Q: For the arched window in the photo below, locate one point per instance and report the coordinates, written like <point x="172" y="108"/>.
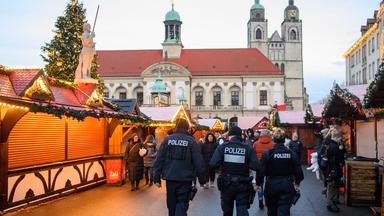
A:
<point x="199" y="96"/>
<point x="235" y="95"/>
<point x="121" y="93"/>
<point x="258" y="16"/>
<point x="216" y="96"/>
<point x="293" y="35"/>
<point x="258" y="34"/>
<point x="138" y="93"/>
<point x="277" y="65"/>
<point x="282" y="67"/>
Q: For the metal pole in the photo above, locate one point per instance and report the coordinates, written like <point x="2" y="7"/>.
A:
<point x="376" y="144"/>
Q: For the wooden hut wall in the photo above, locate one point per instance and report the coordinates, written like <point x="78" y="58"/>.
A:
<point x="86" y="138"/>
<point x="365" y="139"/>
<point x="36" y="139"/>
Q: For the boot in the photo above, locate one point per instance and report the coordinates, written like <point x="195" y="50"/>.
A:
<point x="133" y="186"/>
<point x="146" y="181"/>
<point x="261" y="204"/>
<point x="137" y="185"/>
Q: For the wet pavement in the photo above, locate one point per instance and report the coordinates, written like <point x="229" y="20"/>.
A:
<point x="150" y="201"/>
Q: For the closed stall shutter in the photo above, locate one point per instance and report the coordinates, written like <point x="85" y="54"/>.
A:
<point x="85" y="138"/>
<point x="36" y="139"/>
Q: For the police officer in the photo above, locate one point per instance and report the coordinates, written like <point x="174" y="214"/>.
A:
<point x="283" y="176"/>
<point x="178" y="159"/>
<point x="234" y="182"/>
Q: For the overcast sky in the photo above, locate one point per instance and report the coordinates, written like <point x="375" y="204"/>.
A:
<point x="330" y="28"/>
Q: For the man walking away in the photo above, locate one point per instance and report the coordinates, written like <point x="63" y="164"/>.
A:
<point x="179" y="158"/>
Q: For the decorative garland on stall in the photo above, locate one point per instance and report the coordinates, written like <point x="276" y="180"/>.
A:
<point x="61" y="83"/>
<point x="274" y="119"/>
<point x="309" y="117"/>
<point x="348" y="98"/>
<point x="80" y="115"/>
<point x="5" y="71"/>
<point x="374" y="88"/>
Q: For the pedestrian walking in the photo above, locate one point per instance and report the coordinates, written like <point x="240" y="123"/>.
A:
<point x="283" y="176"/>
<point x="135" y="162"/>
<point x="251" y="138"/>
<point x="296" y="146"/>
<point x="234" y="182"/>
<point x="208" y="147"/>
<point x="179" y="160"/>
<point x="264" y="143"/>
<point x="149" y="159"/>
<point x="335" y="156"/>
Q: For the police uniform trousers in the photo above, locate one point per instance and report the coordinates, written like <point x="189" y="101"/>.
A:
<point x="238" y="193"/>
<point x="279" y="193"/>
<point x="178" y="195"/>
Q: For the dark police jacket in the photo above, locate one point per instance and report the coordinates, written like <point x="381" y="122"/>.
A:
<point x="280" y="162"/>
<point x="179" y="158"/>
<point x="235" y="158"/>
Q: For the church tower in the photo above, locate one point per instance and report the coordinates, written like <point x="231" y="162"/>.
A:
<point x="292" y="35"/>
<point x="172" y="45"/>
<point x="258" y="28"/>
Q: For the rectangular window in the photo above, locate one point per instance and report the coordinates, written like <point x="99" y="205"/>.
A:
<point x="364" y="81"/>
<point x="235" y="98"/>
<point x="364" y="54"/>
<point x="199" y="98"/>
<point x="139" y="98"/>
<point x="369" y="71"/>
<point x="369" y="47"/>
<point x="122" y="95"/>
<point x="216" y="98"/>
<point x="373" y="44"/>
<point x="263" y="97"/>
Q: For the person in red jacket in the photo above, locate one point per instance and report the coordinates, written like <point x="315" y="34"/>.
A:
<point x="264" y="143"/>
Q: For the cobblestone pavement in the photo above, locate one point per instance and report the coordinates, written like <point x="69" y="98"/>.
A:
<point x="150" y="201"/>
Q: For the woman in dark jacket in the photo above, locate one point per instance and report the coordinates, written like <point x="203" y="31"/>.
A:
<point x="149" y="160"/>
<point x="207" y="149"/>
<point x="135" y="162"/>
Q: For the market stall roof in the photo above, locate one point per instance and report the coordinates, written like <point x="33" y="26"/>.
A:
<point x="291" y="117"/>
<point x="166" y="114"/>
<point x="34" y="91"/>
<point x="344" y="104"/>
<point x="374" y="97"/>
<point x="213" y="124"/>
<point x="128" y="105"/>
<point x="248" y="121"/>
<point x="358" y="90"/>
<point x="317" y="109"/>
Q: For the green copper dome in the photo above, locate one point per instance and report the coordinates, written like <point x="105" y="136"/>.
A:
<point x="257" y="5"/>
<point x="159" y="86"/>
<point x="172" y="15"/>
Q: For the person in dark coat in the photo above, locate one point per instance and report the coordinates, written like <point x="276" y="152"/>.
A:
<point x="334" y="172"/>
<point x="149" y="159"/>
<point x="208" y="147"/>
<point x="296" y="146"/>
<point x="251" y="138"/>
<point x="135" y="162"/>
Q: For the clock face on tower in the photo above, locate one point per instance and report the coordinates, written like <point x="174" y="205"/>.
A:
<point x="292" y="13"/>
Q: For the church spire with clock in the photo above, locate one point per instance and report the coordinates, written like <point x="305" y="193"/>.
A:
<point x="172" y="45"/>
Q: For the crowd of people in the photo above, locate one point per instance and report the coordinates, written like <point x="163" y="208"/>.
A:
<point x="247" y="163"/>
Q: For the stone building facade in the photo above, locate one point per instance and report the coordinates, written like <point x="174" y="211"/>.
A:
<point x="362" y="60"/>
<point x="224" y="83"/>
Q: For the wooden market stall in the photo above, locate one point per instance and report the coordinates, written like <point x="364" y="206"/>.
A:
<point x="54" y="137"/>
<point x="253" y="122"/>
<point x="344" y="108"/>
<point x="374" y="110"/>
<point x="164" y="119"/>
<point x="294" y="122"/>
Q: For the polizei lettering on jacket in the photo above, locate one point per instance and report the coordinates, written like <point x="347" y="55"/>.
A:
<point x="234" y="155"/>
<point x="282" y="156"/>
<point x="236" y="151"/>
<point x="178" y="143"/>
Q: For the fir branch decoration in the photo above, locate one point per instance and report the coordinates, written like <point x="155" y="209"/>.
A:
<point x="5" y="71"/>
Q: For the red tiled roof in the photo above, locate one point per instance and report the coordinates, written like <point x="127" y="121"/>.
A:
<point x="6" y="88"/>
<point x="21" y="78"/>
<point x="64" y="96"/>
<point x="245" y="61"/>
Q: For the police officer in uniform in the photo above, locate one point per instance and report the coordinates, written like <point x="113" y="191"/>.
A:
<point x="283" y="176"/>
<point x="178" y="161"/>
<point x="234" y="182"/>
